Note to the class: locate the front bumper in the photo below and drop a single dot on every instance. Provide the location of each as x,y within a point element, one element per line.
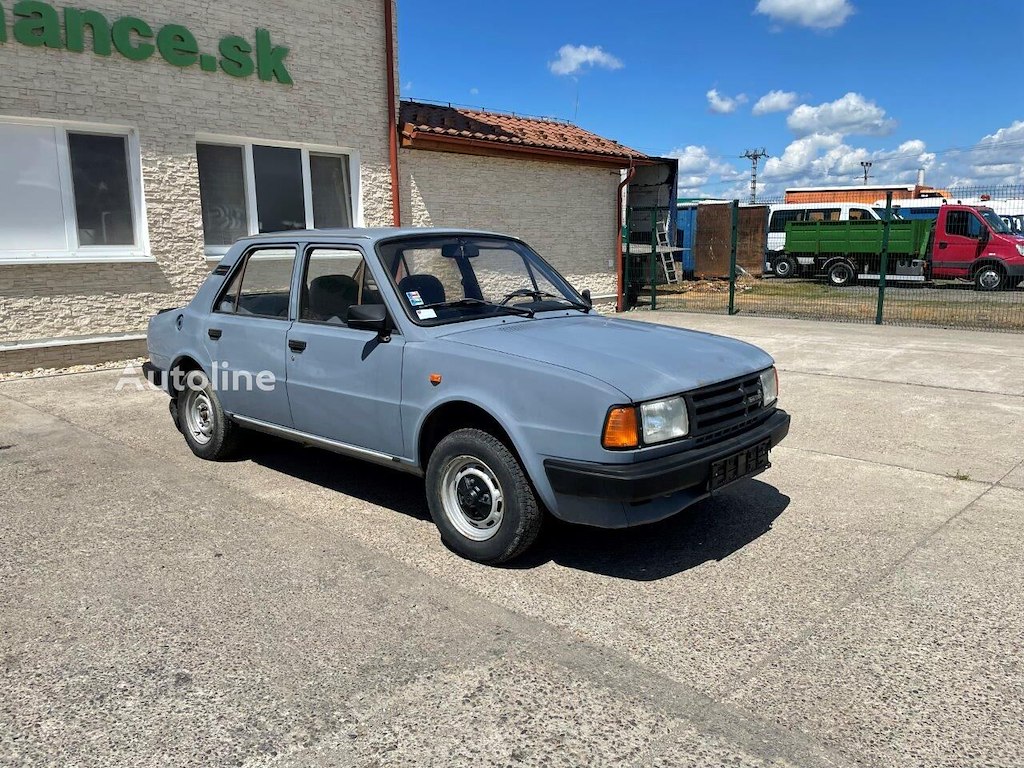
<point>651,479</point>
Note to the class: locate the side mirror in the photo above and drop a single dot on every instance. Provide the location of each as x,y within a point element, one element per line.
<point>370,317</point>
<point>983,237</point>
<point>586,297</point>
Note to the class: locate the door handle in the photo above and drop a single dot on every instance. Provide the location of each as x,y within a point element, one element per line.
<point>943,246</point>
<point>295,345</point>
<point>214,333</point>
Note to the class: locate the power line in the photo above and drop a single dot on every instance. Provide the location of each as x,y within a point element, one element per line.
<point>754,155</point>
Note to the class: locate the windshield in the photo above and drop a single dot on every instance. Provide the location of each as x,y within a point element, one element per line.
<point>993,220</point>
<point>449,278</point>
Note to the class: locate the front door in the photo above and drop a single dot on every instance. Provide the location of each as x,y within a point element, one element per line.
<point>957,244</point>
<point>247,337</point>
<point>343,384</point>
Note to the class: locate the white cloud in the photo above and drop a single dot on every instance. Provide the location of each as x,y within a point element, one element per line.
<point>407,86</point>
<point>721,104</point>
<point>816,14</point>
<point>572,58</point>
<point>775,101</point>
<point>697,167</point>
<point>474,91</point>
<point>997,159</point>
<point>851,113</point>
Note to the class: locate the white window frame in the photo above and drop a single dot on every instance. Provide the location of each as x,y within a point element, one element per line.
<point>246,143</point>
<point>77,253</point>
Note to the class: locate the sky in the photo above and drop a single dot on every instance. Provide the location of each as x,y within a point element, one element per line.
<point>820,84</point>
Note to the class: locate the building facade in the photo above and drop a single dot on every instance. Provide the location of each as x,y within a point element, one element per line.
<point>138,140</point>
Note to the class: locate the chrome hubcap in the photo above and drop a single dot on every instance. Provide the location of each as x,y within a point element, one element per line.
<point>471,497</point>
<point>199,417</point>
<point>989,278</point>
<point>841,275</point>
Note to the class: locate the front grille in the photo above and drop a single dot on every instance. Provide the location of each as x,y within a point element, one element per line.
<point>724,409</point>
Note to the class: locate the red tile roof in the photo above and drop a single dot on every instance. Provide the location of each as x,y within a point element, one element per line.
<point>454,125</point>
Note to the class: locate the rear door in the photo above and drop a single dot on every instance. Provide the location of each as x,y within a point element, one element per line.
<point>344,384</point>
<point>957,242</point>
<point>246,336</point>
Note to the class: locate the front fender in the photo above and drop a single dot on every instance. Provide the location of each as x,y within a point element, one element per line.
<point>547,411</point>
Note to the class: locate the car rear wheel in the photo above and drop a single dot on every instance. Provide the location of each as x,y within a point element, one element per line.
<point>841,274</point>
<point>989,277</point>
<point>480,498</point>
<point>207,429</point>
<point>785,267</point>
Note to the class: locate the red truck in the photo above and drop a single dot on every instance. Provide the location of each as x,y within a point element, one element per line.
<point>964,242</point>
<point>975,243</point>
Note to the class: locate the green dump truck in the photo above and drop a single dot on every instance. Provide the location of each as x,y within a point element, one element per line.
<point>847,251</point>
<point>963,243</point>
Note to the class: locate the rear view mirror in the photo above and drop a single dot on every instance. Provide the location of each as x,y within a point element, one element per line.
<point>586,297</point>
<point>370,317</point>
<point>983,235</point>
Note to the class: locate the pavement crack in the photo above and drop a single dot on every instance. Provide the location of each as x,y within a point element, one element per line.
<point>901,383</point>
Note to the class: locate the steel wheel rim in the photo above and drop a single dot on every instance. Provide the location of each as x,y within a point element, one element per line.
<point>782,268</point>
<point>199,418</point>
<point>841,274</point>
<point>471,498</point>
<point>989,278</point>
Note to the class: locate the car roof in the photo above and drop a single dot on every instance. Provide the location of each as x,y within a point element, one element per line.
<point>369,234</point>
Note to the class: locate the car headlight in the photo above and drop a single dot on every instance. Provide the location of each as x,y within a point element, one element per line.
<point>664,420</point>
<point>769,387</point>
<point>1020,249</point>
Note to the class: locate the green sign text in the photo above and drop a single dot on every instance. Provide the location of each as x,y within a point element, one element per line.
<point>34,23</point>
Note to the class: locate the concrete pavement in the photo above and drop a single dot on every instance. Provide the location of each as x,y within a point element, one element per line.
<point>858,604</point>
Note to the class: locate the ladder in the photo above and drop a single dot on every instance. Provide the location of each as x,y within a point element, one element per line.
<point>667,254</point>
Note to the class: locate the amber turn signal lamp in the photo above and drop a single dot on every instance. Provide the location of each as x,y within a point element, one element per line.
<point>620,428</point>
<point>435,379</point>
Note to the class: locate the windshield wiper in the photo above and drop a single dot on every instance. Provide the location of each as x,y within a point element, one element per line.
<point>470,302</point>
<point>574,304</point>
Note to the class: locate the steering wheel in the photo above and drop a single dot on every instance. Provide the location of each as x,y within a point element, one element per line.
<point>522,292</point>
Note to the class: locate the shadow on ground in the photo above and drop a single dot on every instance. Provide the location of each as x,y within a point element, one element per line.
<point>709,531</point>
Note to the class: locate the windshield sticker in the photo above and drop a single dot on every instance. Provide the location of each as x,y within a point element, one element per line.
<point>414,298</point>
<point>425,314</point>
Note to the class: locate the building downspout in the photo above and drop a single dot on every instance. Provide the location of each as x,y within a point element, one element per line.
<point>620,300</point>
<point>389,52</point>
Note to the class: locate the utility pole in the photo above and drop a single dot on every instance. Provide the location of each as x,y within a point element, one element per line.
<point>753,155</point>
<point>866,165</point>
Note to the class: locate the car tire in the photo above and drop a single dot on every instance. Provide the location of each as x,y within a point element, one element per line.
<point>989,277</point>
<point>480,498</point>
<point>841,274</point>
<point>207,429</point>
<point>785,267</point>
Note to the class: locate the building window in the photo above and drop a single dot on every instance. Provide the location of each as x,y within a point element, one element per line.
<point>248,188</point>
<point>69,194</point>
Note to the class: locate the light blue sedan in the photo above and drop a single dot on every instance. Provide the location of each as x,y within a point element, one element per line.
<point>466,358</point>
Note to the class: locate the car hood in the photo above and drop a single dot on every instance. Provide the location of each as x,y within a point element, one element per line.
<point>642,360</point>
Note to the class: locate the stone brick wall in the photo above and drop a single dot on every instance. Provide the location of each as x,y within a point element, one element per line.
<point>337,62</point>
<point>565,211</point>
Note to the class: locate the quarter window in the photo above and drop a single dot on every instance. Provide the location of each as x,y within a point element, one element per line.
<point>68,194</point>
<point>781,218</point>
<point>251,188</point>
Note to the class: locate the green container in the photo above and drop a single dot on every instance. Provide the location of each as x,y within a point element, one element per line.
<point>862,238</point>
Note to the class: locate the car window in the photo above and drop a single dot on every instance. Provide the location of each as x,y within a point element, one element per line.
<point>334,280</point>
<point>449,278</point>
<point>262,286</point>
<point>822,214</point>
<point>860,214</point>
<point>963,223</point>
<point>780,218</point>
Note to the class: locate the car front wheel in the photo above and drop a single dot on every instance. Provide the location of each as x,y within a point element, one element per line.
<point>480,498</point>
<point>989,277</point>
<point>207,429</point>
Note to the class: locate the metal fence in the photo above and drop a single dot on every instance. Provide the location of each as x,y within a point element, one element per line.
<point>954,260</point>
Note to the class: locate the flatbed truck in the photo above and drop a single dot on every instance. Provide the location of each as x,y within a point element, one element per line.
<point>964,242</point>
